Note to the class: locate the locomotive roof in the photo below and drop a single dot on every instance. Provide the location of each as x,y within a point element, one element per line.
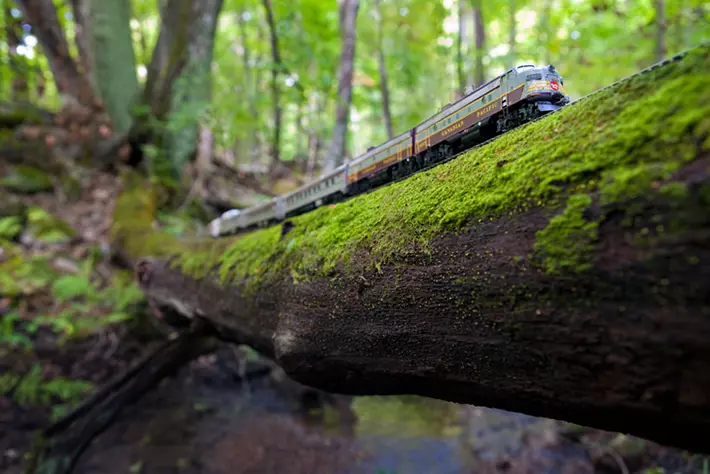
<point>452,107</point>
<point>307,185</point>
<point>378,148</point>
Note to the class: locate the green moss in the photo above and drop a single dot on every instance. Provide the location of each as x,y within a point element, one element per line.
<point>134,231</point>
<point>567,243</point>
<point>626,182</point>
<point>645,122</point>
<point>675,192</point>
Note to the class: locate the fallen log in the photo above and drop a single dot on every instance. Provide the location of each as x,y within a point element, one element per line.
<point>560,271</point>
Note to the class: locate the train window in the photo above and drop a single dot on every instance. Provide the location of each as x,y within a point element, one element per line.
<point>533,77</point>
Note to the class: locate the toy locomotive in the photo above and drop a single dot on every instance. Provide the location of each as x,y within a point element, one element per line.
<point>517,96</point>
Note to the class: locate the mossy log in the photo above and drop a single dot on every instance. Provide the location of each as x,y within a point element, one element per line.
<point>562,271</point>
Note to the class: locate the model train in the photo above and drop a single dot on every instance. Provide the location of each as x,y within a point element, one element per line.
<point>517,96</point>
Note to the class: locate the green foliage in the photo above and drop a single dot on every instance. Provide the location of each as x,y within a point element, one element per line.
<point>33,390</point>
<point>10,227</point>
<point>91,308</point>
<point>10,335</point>
<point>26,179</point>
<point>20,275</point>
<point>46,227</point>
<point>566,153</point>
<point>567,243</point>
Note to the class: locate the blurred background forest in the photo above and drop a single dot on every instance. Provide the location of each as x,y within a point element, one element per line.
<point>275,65</point>
<point>223,103</point>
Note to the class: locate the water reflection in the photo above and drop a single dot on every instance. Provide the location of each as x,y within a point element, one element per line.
<point>205,422</point>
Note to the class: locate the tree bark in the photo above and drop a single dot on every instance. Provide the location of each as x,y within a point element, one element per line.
<point>42,16</point>
<point>382,67</point>
<point>113,61</point>
<point>275,88</point>
<point>80,10</point>
<point>251,87</point>
<point>348,18</point>
<point>178,85</point>
<point>660,30</point>
<point>168,58</point>
<point>195,82</point>
<point>480,39</point>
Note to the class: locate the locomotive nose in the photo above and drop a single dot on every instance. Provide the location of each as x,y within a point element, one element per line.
<point>214,228</point>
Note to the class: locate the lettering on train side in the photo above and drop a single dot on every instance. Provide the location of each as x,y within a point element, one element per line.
<point>483,111</point>
<point>453,128</point>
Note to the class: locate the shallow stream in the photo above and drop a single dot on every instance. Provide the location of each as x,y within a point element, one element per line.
<point>206,421</point>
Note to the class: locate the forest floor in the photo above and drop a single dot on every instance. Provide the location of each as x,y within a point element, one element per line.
<point>70,319</point>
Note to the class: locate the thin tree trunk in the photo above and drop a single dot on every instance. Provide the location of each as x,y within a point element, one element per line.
<point>460,69</point>
<point>251,86</point>
<point>480,38</point>
<point>382,66</point>
<point>80,11</point>
<point>113,61</point>
<point>348,17</point>
<point>275,89</point>
<point>512,32</point>
<point>42,15</point>
<point>195,83</point>
<point>178,85</point>
<point>660,30</point>
<point>168,58</point>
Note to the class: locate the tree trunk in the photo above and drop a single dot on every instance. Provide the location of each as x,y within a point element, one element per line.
<point>71,83</point>
<point>275,88</point>
<point>512,32</point>
<point>382,66</point>
<point>178,85</point>
<point>251,87</point>
<point>348,18</point>
<point>480,38</point>
<point>193,90</point>
<point>660,30</point>
<point>113,61</point>
<point>80,11</point>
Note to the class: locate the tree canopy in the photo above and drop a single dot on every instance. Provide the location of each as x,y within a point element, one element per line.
<point>429,50</point>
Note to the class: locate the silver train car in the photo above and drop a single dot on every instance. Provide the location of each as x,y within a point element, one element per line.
<point>521,94</point>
